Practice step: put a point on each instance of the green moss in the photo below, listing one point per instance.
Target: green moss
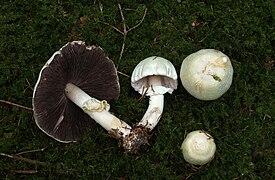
(241, 121)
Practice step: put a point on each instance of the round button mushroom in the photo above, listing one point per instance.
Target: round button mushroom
(198, 148)
(153, 77)
(74, 86)
(206, 74)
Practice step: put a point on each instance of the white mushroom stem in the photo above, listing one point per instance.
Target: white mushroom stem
(97, 110)
(153, 113)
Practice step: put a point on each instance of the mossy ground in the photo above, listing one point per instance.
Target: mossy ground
(241, 121)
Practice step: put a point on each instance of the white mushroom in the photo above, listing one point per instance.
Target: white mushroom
(153, 77)
(206, 74)
(198, 148)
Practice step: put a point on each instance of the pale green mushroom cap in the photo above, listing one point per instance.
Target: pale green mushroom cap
(206, 74)
(198, 148)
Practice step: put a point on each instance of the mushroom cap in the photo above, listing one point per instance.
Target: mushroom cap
(158, 67)
(206, 74)
(198, 147)
(86, 67)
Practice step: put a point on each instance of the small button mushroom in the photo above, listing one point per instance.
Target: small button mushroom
(198, 148)
(153, 77)
(206, 74)
(74, 86)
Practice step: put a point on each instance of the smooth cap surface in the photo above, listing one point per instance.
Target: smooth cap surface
(206, 74)
(156, 68)
(198, 147)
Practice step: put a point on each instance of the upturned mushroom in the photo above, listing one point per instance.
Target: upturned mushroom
(206, 74)
(153, 77)
(75, 85)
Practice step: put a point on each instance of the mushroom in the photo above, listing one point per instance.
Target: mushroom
(198, 148)
(75, 85)
(206, 74)
(153, 77)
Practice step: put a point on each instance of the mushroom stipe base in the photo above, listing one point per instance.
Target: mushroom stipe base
(138, 137)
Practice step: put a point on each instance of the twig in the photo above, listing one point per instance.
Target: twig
(17, 105)
(122, 48)
(122, 18)
(31, 151)
(138, 24)
(29, 86)
(125, 31)
(119, 72)
(113, 27)
(26, 171)
(189, 175)
(18, 158)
